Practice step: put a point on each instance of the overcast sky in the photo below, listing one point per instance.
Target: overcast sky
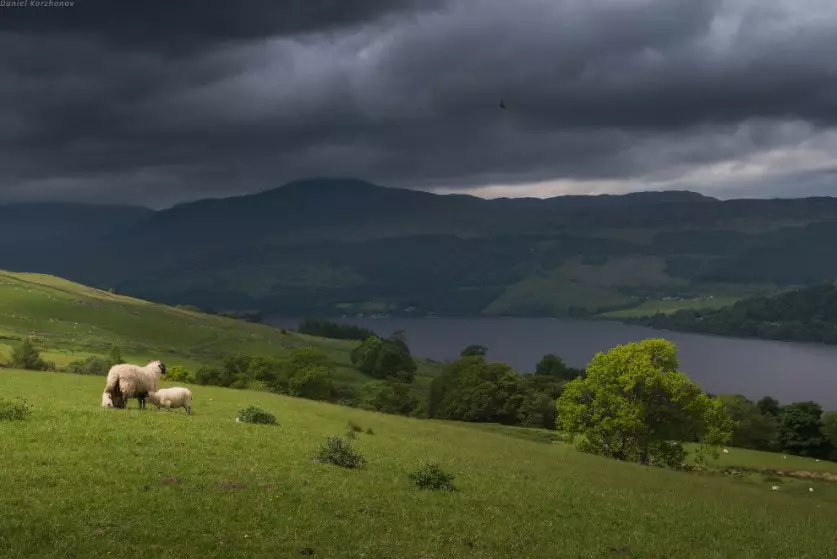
(156, 102)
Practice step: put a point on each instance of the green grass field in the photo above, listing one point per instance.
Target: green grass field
(69, 321)
(80, 481)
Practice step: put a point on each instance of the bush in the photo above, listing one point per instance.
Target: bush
(14, 410)
(432, 477)
(178, 373)
(253, 414)
(338, 452)
(355, 427)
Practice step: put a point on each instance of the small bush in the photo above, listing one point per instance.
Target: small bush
(253, 414)
(14, 410)
(370, 431)
(178, 373)
(338, 452)
(355, 427)
(432, 477)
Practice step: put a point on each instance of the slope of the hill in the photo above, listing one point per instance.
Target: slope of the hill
(72, 321)
(343, 246)
(80, 481)
(806, 315)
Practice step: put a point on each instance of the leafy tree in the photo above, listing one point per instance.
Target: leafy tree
(633, 404)
(385, 359)
(26, 356)
(753, 429)
(829, 431)
(470, 389)
(800, 429)
(312, 382)
(115, 356)
(553, 366)
(474, 350)
(389, 397)
(769, 405)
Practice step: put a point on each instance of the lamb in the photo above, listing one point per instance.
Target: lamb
(175, 397)
(128, 381)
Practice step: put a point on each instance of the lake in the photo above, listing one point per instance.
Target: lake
(787, 371)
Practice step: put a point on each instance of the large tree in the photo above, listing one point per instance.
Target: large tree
(753, 429)
(829, 431)
(385, 359)
(800, 429)
(634, 404)
(552, 365)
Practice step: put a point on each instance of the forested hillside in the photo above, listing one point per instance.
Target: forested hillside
(337, 246)
(808, 314)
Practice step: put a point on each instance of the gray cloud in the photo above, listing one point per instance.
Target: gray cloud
(728, 97)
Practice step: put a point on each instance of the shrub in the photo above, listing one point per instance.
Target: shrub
(370, 431)
(253, 414)
(432, 477)
(178, 373)
(14, 410)
(338, 452)
(355, 427)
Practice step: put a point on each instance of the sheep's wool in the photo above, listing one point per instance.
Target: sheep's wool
(127, 381)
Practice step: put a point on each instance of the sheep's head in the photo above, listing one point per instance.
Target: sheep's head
(160, 366)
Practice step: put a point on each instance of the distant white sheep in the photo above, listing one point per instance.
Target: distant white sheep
(726, 451)
(128, 381)
(775, 488)
(175, 397)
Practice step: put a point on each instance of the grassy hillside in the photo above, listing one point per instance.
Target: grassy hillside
(80, 481)
(71, 321)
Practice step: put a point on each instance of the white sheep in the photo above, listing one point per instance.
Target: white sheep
(128, 381)
(775, 488)
(726, 451)
(175, 397)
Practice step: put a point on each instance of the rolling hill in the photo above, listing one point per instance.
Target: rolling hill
(71, 322)
(83, 482)
(344, 246)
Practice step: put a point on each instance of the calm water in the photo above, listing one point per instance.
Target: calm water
(787, 371)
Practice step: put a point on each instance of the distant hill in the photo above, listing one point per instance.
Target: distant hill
(806, 315)
(41, 236)
(327, 246)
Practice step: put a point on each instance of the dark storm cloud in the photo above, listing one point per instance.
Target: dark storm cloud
(172, 23)
(713, 94)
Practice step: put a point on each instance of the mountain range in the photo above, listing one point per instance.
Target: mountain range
(327, 246)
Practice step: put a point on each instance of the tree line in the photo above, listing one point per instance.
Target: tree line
(630, 403)
(805, 315)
